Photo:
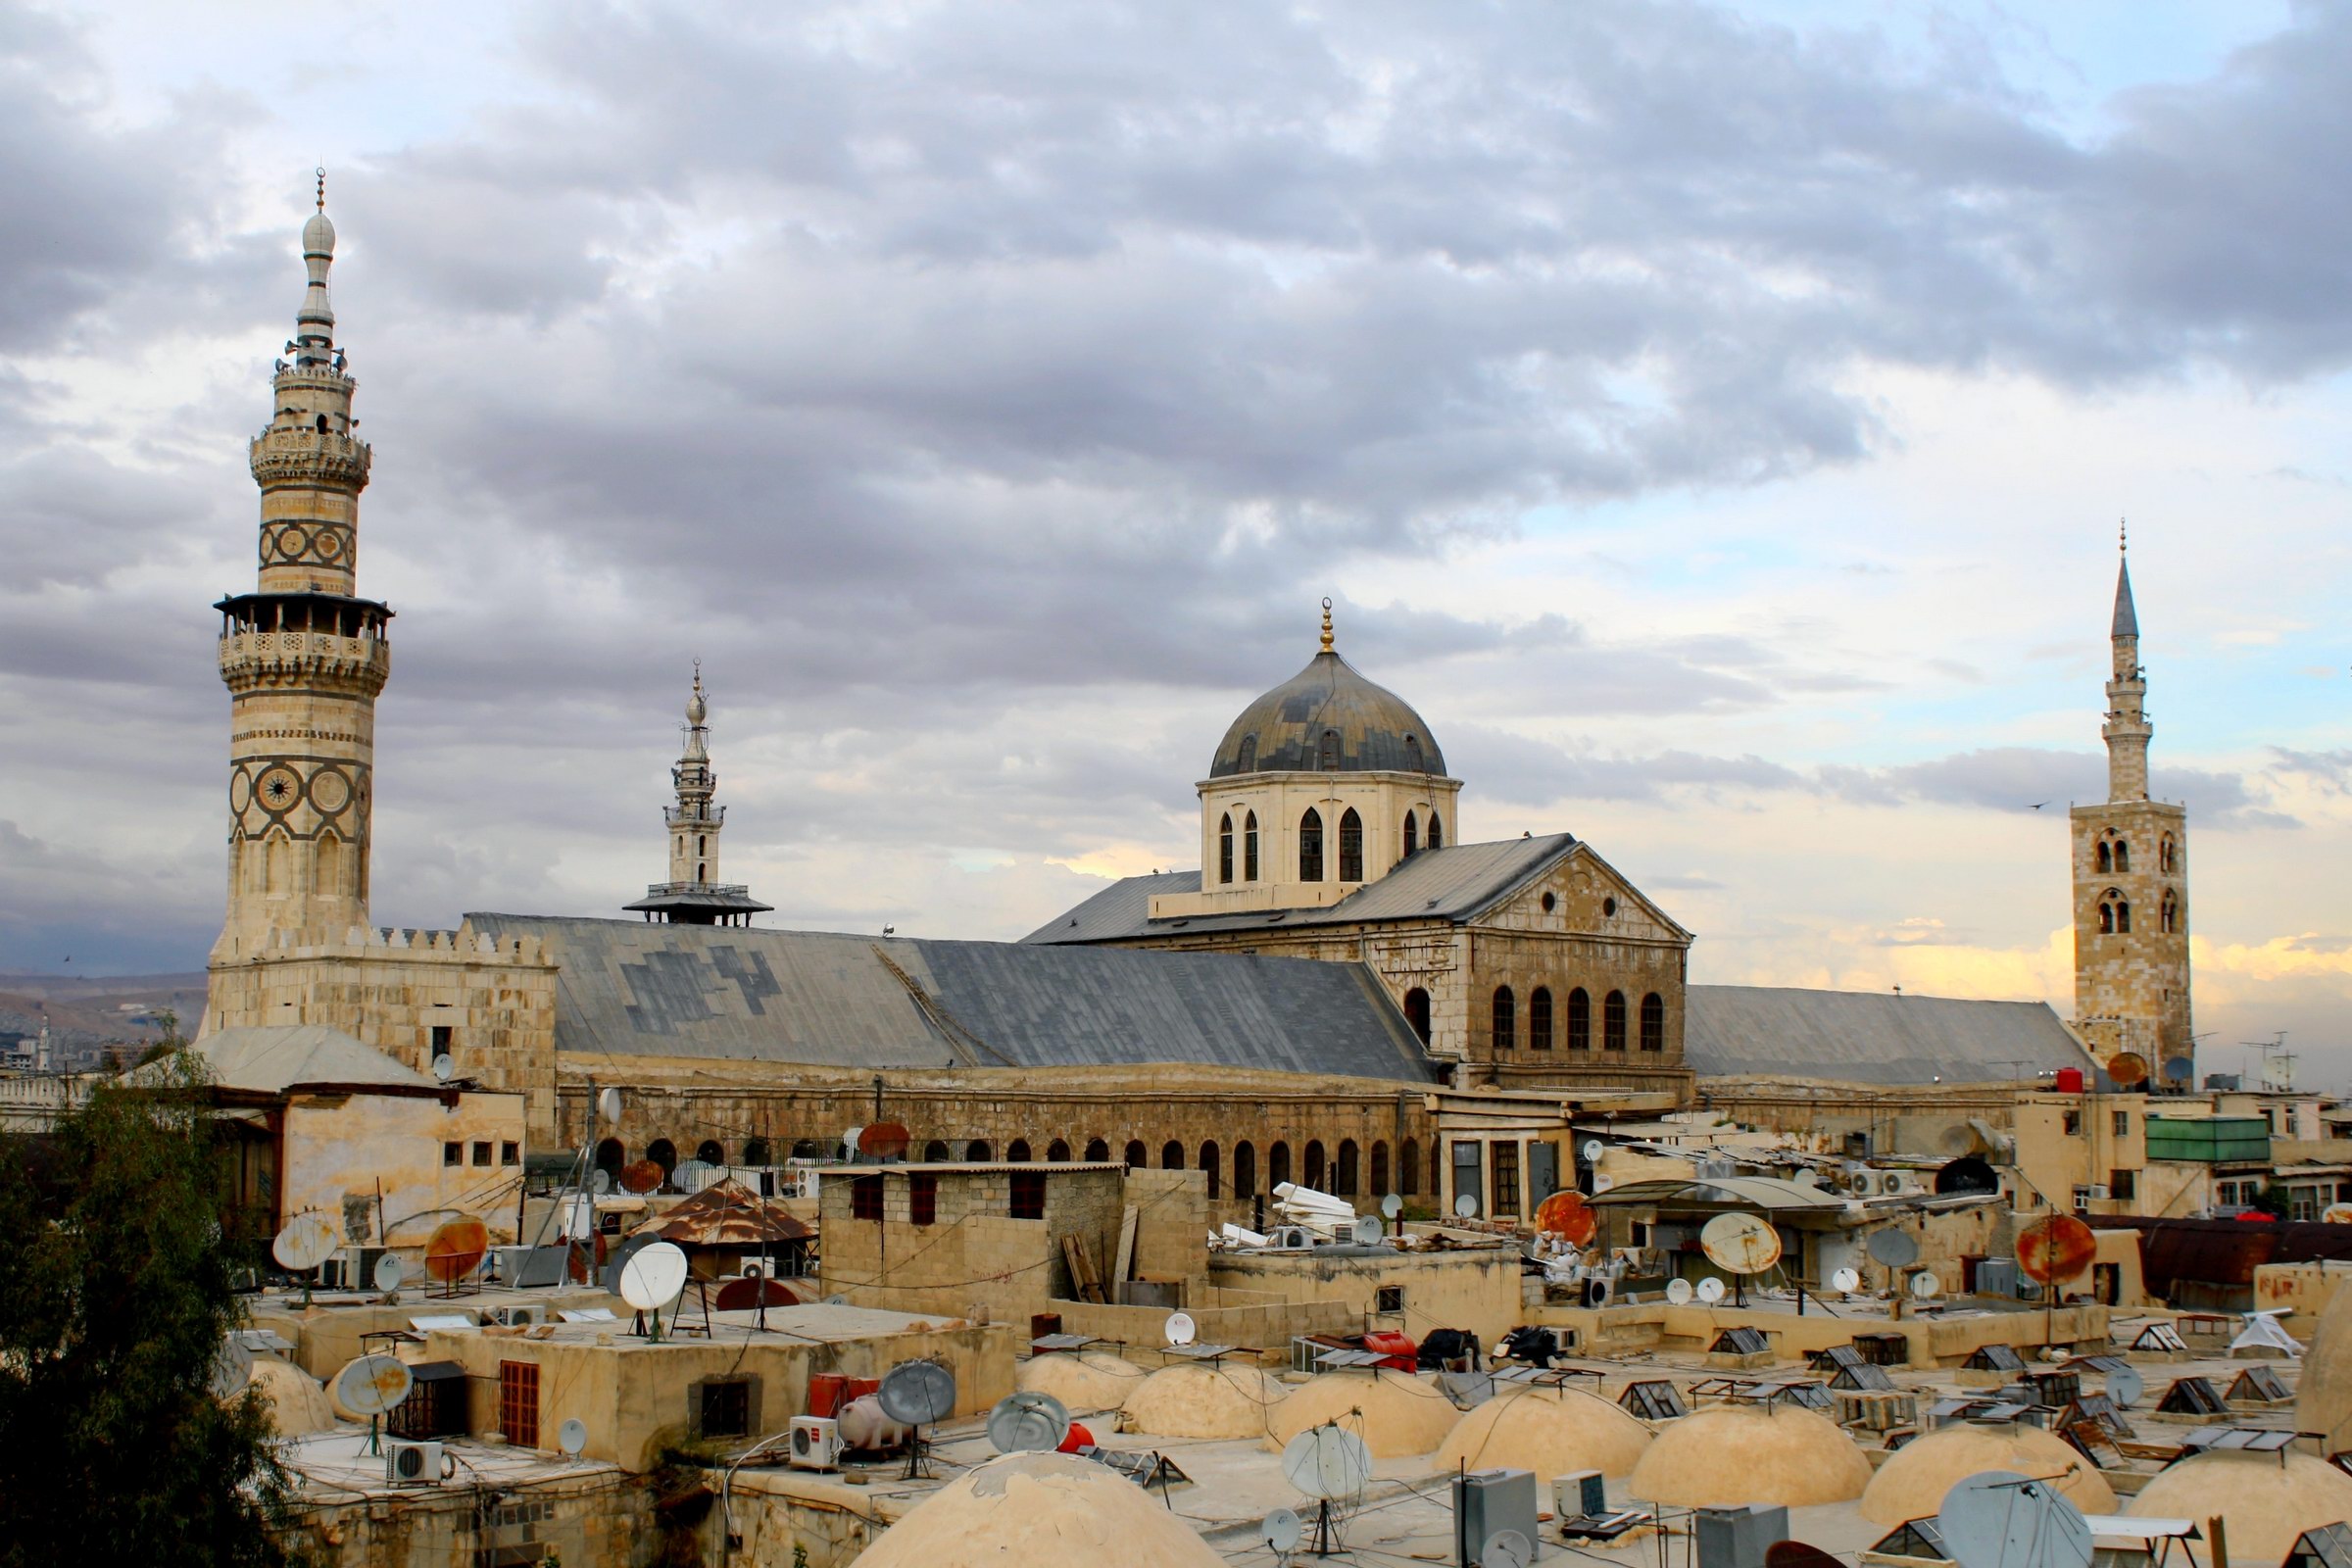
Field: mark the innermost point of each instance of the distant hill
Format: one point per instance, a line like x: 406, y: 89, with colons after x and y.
x: 87, y: 1015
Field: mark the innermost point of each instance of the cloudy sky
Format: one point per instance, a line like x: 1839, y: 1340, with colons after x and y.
x: 1715, y: 419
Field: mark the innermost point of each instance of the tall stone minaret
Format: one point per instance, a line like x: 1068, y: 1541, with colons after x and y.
x: 694, y: 895
x: 302, y: 656
x: 2131, y: 871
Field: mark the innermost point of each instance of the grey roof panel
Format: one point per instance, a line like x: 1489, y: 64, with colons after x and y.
x: 829, y: 999
x: 1869, y: 1037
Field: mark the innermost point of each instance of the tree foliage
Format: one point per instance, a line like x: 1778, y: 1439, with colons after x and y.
x: 118, y: 1295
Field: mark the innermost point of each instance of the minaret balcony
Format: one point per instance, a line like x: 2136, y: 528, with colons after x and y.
x: 298, y: 455
x: 259, y: 660
x: 701, y: 816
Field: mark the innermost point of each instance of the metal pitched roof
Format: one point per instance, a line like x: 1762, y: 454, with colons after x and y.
x: 830, y: 999
x: 1867, y: 1037
x: 273, y: 1059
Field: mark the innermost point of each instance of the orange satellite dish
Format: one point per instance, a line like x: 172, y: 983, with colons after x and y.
x: 1568, y: 1214
x: 2126, y: 1068
x: 2053, y: 1251
x: 884, y: 1140
x: 643, y: 1177
x: 456, y: 1249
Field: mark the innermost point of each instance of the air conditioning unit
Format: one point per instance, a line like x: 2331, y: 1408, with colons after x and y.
x: 2091, y: 1195
x: 1890, y: 1183
x: 415, y: 1464
x: 519, y: 1316
x: 815, y: 1443
x: 1859, y: 1184
x: 352, y: 1269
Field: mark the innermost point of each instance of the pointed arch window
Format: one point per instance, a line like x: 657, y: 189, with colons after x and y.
x: 1416, y: 1012
x: 2106, y: 857
x: 1225, y: 848
x: 1506, y: 1018
x: 1612, y: 1021
x: 2168, y: 917
x: 1327, y: 752
x: 1653, y: 1022
x: 1249, y: 848
x: 2115, y: 913
x: 1246, y: 761
x: 2122, y: 855
x: 2165, y: 856
x: 1412, y: 835
x: 1580, y: 1021
x: 1310, y: 846
x: 1351, y: 846
x: 1539, y: 1019
x: 1436, y: 831
x: 1408, y: 1169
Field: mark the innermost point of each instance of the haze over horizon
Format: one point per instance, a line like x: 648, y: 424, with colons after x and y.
x: 1714, y: 419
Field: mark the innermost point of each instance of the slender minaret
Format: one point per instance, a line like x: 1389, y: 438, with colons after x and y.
x: 2131, y: 872
x: 303, y: 657
x: 694, y: 895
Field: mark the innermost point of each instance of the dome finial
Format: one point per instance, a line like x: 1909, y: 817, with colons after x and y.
x: 2123, y: 536
x: 322, y: 187
x: 1326, y: 625
x: 695, y: 708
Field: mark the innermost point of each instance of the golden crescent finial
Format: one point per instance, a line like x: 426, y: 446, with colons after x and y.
x: 1326, y: 625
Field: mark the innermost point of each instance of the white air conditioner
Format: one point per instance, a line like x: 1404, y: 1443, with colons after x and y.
x: 415, y: 1464
x: 1890, y: 1184
x: 519, y: 1316
x: 1858, y: 1183
x: 2092, y: 1194
x: 815, y: 1443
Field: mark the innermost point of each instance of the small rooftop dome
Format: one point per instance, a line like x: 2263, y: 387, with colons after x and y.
x: 1728, y: 1454
x: 1911, y: 1484
x: 1203, y: 1401
x: 1040, y: 1510
x: 1549, y: 1431
x: 298, y: 1405
x: 1087, y: 1381
x: 1396, y: 1413
x: 2263, y: 1504
x: 1328, y: 719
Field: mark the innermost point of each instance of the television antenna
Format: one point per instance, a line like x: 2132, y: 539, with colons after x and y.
x: 307, y: 1241
x: 652, y: 1279
x: 2000, y: 1519
x: 1029, y: 1421
x: 920, y: 1394
x: 372, y: 1385
x: 1329, y: 1464
x: 572, y: 1437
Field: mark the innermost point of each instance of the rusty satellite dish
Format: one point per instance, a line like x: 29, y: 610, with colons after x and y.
x: 373, y: 1385
x: 1798, y: 1555
x: 643, y: 1177
x: 884, y: 1140
x: 308, y: 1241
x: 2337, y: 1215
x: 2055, y: 1250
x: 1739, y: 1244
x: 2126, y: 1068
x: 1567, y: 1214
x: 456, y: 1249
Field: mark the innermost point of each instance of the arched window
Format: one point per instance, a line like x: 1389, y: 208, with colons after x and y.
x: 2123, y: 918
x: 1172, y: 1156
x: 1017, y: 1152
x: 1249, y: 848
x: 934, y: 1151
x: 1580, y: 1021
x: 1098, y: 1153
x: 2122, y: 855
x: 1506, y: 1018
x: 1316, y: 1171
x: 2167, y: 918
x: 1436, y: 831
x: 709, y: 1154
x: 2115, y: 914
x: 1209, y: 1163
x: 2106, y: 857
x: 1539, y: 1019
x: 2106, y: 919
x: 978, y: 1149
x: 1380, y: 1187
x: 1246, y: 760
x: 1653, y: 1022
x: 1137, y: 1157
x: 664, y: 1153
x: 2164, y: 854
x: 1344, y: 1170
x: 1351, y: 846
x: 1416, y: 1012
x: 1327, y: 754
x: 1245, y: 1170
x: 1278, y: 1165
x: 1310, y: 846
x: 1059, y: 1152
x: 807, y: 1149
x: 1612, y: 1021
x: 1412, y: 835
x: 1225, y: 848
x: 1408, y: 1169
x: 754, y: 1152
x: 610, y: 1156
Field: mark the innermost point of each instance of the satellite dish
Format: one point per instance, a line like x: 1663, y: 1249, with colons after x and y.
x: 1506, y: 1549
x: 884, y: 1140
x: 1327, y: 1463
x: 600, y: 1181
x: 2128, y: 1069
x: 389, y: 1272
x: 308, y: 1241
x: 1593, y: 1150
x: 643, y: 1177
x: 1368, y: 1231
x: 2178, y: 1069
x: 1566, y: 1213
x: 571, y: 1437
x: 456, y: 1249
x: 653, y: 1276
x: 1808, y: 1177
x: 2337, y: 1215
x: 1710, y: 1289
x: 2055, y: 1248
x: 620, y: 1260
x: 1391, y: 1205
x: 608, y: 1105
x: 1925, y: 1285
x: 835, y: 1299
x: 1282, y: 1531
x: 920, y: 1394
x: 1028, y: 1422
x: 1798, y: 1555
x: 1999, y: 1519
x: 1466, y: 1206
x: 1893, y: 1248
x: 373, y: 1385
x: 1739, y: 1244
x: 1180, y: 1329
x: 2124, y: 1387
x: 232, y: 1368
x: 1847, y: 1279
x: 1679, y: 1291
x: 445, y: 1068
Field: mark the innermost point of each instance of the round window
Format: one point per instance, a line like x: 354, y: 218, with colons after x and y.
x: 1608, y: 907
x: 1552, y: 901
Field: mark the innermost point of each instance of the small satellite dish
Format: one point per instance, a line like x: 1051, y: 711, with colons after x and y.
x: 1999, y: 1519
x: 445, y: 1068
x: 2125, y: 1386
x: 1028, y: 1422
x: 1808, y: 1177
x: 600, y: 1181
x: 884, y: 1140
x: 1180, y: 1327
x: 1282, y: 1531
x: 1926, y: 1286
x: 1391, y: 1205
x: 620, y: 1260
x: 232, y: 1368
x: 308, y: 1241
x: 920, y: 1394
x: 653, y: 1276
x: 1506, y: 1549
x: 2128, y: 1069
x: 572, y: 1437
x: 1368, y: 1231
x: 642, y: 1177
x: 389, y: 1272
x: 373, y: 1385
x: 1710, y: 1289
x: 608, y: 1105
x: 1593, y: 1150
x: 1466, y: 1206
x: 1327, y: 1463
x: 835, y: 1299
x: 2056, y: 1249
x: 456, y: 1249
x: 1847, y: 1279
x: 1798, y: 1555
x: 1739, y: 1244
x: 1679, y: 1291
x: 2178, y: 1069
x: 1893, y: 1248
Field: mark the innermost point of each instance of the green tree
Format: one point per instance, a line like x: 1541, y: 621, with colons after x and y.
x: 117, y: 1298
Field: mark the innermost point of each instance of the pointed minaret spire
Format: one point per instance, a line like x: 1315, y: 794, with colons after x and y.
x: 2126, y: 730
x: 694, y: 895
x: 2126, y: 620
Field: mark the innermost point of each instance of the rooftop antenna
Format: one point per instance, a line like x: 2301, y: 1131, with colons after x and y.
x: 652, y: 1279
x: 372, y: 1385
x: 1328, y: 1463
x: 572, y: 1437
x: 1028, y: 1421
x: 307, y: 1241
x: 1739, y: 1245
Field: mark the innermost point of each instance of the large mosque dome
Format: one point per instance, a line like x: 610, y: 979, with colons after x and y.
x: 1328, y: 719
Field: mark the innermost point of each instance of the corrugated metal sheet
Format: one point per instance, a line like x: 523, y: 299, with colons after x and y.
x: 728, y: 1213
x: 829, y: 999
x: 1870, y: 1037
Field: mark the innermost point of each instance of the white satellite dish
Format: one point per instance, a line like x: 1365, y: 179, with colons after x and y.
x: 1679, y: 1291
x: 920, y: 1394
x: 1282, y: 1531
x: 1466, y: 1206
x: 600, y: 1181
x: 653, y: 1276
x: 1028, y: 1421
x: 1806, y: 1178
x: 1710, y: 1289
x: 1391, y: 1205
x: 308, y: 1241
x: 2000, y: 1519
x: 232, y: 1366
x: 1925, y: 1285
x: 1593, y: 1150
x: 1368, y: 1231
x: 445, y: 1068
x: 572, y: 1437
x: 608, y: 1105
x: 2124, y: 1387
x: 1180, y: 1329
x: 1327, y: 1463
x: 1506, y: 1549
x: 373, y: 1385
x: 1845, y: 1279
x: 389, y: 1272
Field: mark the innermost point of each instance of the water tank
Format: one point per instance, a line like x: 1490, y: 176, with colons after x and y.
x: 2070, y: 1080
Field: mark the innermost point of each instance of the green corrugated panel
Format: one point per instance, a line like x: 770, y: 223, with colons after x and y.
x: 2209, y: 1139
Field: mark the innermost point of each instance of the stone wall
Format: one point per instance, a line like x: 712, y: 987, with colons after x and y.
x: 580, y: 1519
x: 973, y: 1259
x: 1476, y: 1288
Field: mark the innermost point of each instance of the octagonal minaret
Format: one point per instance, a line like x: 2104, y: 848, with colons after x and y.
x: 303, y: 656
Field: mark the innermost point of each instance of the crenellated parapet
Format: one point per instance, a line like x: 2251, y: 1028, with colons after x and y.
x: 300, y: 454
